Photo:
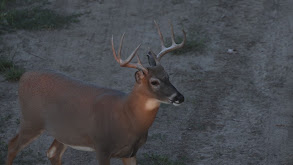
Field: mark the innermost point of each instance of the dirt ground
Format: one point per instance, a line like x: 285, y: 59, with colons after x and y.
x: 238, y: 108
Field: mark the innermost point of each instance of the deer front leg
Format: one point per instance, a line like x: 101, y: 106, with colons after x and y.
x: 25, y: 136
x: 104, y: 162
x: 55, y: 152
x: 129, y: 161
x: 103, y: 159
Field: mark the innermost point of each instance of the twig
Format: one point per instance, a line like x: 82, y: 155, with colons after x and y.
x: 282, y: 125
x: 37, y: 56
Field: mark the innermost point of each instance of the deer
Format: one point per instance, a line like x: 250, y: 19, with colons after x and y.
x: 87, y: 117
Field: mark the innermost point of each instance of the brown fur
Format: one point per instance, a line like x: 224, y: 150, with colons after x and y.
x: 79, y: 114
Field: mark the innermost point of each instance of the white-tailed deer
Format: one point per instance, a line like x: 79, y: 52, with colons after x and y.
x: 91, y: 118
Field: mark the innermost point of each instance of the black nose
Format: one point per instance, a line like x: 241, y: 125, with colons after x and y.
x: 179, y: 98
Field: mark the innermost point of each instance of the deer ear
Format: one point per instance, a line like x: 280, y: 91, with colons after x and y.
x: 151, y: 59
x: 139, y: 75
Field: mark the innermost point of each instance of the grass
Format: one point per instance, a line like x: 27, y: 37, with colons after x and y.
x: 3, y: 4
x: 5, y: 64
x: 14, y: 73
x: 10, y: 70
x: 17, y: 121
x: 31, y: 15
x: 152, y: 159
x: 192, y: 44
x: 37, y: 18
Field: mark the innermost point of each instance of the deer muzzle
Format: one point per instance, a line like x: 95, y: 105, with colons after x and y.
x: 176, y: 99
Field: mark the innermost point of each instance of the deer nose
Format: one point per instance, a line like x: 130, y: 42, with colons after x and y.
x: 179, y: 98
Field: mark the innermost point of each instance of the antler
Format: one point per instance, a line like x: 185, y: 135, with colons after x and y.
x: 174, y: 46
x: 126, y: 63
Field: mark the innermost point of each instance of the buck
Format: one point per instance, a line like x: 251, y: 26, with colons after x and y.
x: 91, y: 118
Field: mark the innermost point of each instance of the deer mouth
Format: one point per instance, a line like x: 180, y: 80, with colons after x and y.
x: 176, y: 103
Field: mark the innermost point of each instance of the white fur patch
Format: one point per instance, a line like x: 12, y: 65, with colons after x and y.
x: 150, y: 104
x: 82, y: 148
x: 51, y: 152
x: 176, y: 104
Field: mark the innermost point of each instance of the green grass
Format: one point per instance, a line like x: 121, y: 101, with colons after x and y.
x: 192, y: 44
x: 37, y: 18
x: 152, y: 159
x: 3, y: 3
x: 5, y: 64
x: 17, y: 121
x: 14, y: 73
x: 10, y: 70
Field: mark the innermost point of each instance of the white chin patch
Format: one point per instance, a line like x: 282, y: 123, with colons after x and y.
x: 176, y: 104
x: 151, y: 104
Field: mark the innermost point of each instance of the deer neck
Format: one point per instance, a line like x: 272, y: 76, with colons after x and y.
x: 141, y: 108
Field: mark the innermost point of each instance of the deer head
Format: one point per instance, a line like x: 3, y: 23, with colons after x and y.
x: 154, y: 80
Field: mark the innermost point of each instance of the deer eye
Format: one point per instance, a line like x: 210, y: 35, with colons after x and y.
x: 155, y: 83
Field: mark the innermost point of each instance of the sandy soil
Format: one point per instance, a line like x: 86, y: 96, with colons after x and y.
x: 238, y: 108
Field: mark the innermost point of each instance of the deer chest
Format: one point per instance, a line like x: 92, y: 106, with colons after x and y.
x: 130, y: 149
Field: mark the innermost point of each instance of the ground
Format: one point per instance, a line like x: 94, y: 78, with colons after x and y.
x: 238, y: 106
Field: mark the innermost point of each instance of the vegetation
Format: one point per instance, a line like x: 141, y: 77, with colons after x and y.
x: 5, y: 64
x: 3, y: 4
x: 193, y: 44
x: 36, y: 18
x: 14, y: 73
x: 32, y: 17
x: 10, y: 70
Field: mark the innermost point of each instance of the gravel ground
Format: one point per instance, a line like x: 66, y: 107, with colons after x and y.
x: 238, y: 108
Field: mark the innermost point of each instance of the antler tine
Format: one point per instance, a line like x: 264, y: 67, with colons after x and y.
x: 126, y: 63
x: 114, y: 52
x: 172, y: 33
x: 120, y: 46
x: 161, y: 35
x: 174, y: 46
x: 138, y: 60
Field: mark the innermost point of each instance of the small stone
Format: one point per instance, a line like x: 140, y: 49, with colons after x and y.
x: 231, y: 51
